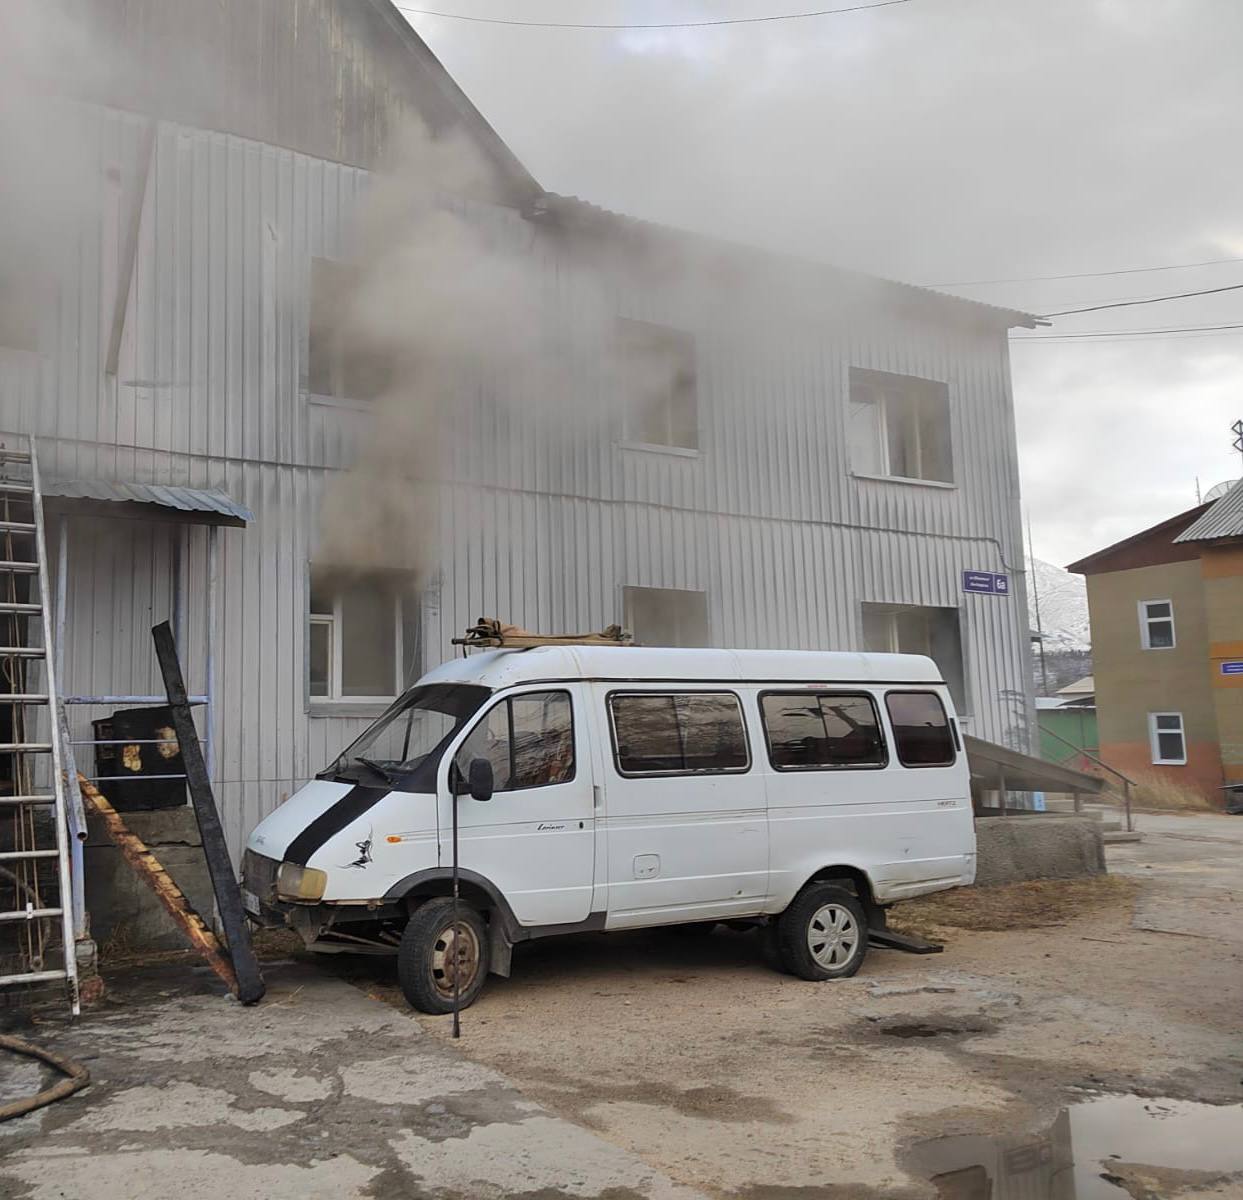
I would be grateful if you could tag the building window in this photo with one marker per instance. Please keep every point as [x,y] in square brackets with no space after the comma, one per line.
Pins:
[659,386]
[362,635]
[340,362]
[528,739]
[810,731]
[1168,741]
[666,616]
[921,730]
[696,733]
[18,325]
[1156,624]
[913,629]
[899,425]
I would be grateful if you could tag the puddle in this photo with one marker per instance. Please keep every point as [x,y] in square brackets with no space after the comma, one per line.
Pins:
[924,1029]
[1108,1148]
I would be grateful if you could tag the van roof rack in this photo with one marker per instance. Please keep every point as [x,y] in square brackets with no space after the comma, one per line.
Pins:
[490,634]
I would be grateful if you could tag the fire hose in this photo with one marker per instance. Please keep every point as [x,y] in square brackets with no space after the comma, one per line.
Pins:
[77,1078]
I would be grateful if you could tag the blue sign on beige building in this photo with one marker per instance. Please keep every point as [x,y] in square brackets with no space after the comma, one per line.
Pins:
[986,583]
[1232,667]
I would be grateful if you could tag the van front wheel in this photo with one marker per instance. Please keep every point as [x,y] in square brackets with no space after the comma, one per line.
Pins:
[823,934]
[434,950]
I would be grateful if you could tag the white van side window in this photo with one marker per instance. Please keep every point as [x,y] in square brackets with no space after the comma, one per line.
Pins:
[529,740]
[684,734]
[921,730]
[816,731]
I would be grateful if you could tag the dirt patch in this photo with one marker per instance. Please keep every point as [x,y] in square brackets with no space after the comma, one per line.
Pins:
[1029,905]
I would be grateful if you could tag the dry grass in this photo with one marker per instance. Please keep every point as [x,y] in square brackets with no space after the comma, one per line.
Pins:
[1026,905]
[1159,793]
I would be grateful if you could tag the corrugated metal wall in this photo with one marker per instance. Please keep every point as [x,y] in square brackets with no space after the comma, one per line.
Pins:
[547,516]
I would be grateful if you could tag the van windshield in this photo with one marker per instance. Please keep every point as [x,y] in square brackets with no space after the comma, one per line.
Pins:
[404,746]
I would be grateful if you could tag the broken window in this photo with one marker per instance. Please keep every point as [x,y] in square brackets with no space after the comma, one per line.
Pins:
[340,362]
[659,389]
[666,616]
[899,425]
[914,629]
[18,326]
[362,635]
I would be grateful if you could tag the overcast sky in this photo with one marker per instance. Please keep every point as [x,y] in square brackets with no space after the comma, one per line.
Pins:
[937,141]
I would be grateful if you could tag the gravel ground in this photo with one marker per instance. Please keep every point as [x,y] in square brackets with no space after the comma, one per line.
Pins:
[689,1052]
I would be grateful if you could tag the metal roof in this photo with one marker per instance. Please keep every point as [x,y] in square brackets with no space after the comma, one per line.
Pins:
[1224,519]
[206,501]
[576,208]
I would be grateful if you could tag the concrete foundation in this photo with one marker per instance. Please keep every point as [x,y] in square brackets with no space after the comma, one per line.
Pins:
[123,910]
[1037,846]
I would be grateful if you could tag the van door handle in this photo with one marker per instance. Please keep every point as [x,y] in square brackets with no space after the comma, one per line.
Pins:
[596,796]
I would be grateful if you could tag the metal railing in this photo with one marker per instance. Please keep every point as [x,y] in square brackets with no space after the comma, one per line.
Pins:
[1127,783]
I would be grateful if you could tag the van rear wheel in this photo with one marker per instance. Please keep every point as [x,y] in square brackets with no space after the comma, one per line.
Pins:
[823,934]
[433,951]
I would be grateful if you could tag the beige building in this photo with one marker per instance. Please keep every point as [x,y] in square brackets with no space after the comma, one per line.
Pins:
[1167,647]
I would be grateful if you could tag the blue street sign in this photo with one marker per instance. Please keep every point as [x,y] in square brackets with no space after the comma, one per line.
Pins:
[1232,667]
[986,583]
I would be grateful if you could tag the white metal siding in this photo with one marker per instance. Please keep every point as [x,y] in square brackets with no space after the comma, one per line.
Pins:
[546,520]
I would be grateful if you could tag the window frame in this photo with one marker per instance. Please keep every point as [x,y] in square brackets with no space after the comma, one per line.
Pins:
[630,439]
[334,624]
[881,400]
[1145,625]
[682,774]
[484,713]
[955,748]
[629,596]
[1154,741]
[818,693]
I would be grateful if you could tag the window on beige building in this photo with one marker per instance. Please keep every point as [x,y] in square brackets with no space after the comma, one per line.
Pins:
[1156,624]
[1168,739]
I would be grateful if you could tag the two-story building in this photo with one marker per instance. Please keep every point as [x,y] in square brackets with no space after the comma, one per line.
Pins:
[828,461]
[1167,647]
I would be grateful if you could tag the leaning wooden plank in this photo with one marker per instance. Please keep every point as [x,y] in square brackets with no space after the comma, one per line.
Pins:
[250,985]
[148,869]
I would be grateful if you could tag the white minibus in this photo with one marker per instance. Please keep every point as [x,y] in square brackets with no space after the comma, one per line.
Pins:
[603,788]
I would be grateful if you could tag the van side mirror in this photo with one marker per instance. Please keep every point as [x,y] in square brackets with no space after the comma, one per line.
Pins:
[480,782]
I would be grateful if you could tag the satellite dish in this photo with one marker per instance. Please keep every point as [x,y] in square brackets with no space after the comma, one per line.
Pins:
[1217,491]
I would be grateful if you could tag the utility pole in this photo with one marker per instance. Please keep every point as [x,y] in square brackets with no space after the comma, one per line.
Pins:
[1237,430]
[1031,559]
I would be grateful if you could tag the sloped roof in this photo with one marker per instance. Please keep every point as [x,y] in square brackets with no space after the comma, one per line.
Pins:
[1149,547]
[203,502]
[573,209]
[1224,519]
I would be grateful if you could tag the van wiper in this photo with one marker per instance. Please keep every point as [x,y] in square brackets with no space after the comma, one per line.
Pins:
[388,773]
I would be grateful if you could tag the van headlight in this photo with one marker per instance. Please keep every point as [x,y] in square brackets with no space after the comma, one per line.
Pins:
[300,883]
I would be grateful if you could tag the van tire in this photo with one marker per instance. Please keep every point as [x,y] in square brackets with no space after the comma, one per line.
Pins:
[831,910]
[422,958]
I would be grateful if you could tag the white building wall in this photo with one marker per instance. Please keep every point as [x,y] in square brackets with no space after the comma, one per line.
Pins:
[544,522]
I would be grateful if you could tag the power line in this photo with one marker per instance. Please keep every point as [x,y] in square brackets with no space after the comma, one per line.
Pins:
[1126,335]
[799,16]
[1212,262]
[1070,312]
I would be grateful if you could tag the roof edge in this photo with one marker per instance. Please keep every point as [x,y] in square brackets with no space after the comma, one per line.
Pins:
[493,144]
[566,208]
[1079,567]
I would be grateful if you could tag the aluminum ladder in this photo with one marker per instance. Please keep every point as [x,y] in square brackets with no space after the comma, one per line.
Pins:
[34,830]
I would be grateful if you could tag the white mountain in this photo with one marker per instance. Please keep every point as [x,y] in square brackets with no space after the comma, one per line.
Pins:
[1063,606]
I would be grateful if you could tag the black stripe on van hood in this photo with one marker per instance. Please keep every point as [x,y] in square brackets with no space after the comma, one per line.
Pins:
[332,820]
